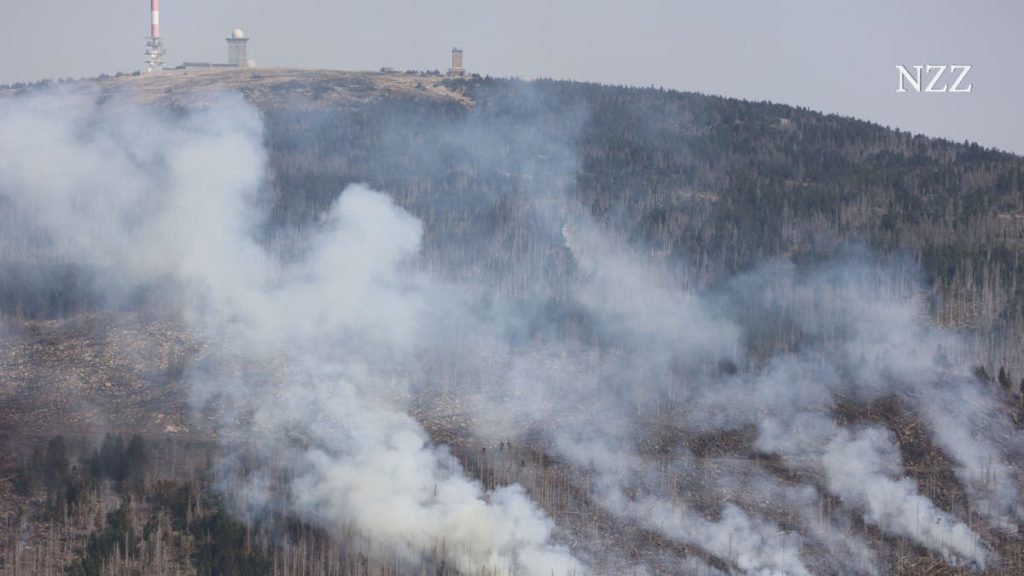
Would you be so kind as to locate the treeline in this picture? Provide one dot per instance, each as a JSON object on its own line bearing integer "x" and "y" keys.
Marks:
{"x": 51, "y": 467}
{"x": 135, "y": 508}
{"x": 714, "y": 185}
{"x": 109, "y": 513}
{"x": 44, "y": 83}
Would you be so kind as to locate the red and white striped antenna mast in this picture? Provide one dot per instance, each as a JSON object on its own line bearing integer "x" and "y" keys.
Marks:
{"x": 154, "y": 43}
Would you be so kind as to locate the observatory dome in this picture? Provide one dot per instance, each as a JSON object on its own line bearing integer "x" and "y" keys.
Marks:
{"x": 237, "y": 33}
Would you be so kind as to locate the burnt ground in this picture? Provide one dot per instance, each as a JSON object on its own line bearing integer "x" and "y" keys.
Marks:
{"x": 126, "y": 373}
{"x": 93, "y": 374}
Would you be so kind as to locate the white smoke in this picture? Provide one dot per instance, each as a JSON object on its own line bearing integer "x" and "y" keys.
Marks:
{"x": 870, "y": 344}
{"x": 141, "y": 197}
{"x": 335, "y": 335}
{"x": 752, "y": 545}
{"x": 864, "y": 469}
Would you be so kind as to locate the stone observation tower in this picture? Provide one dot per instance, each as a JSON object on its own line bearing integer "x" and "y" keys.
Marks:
{"x": 456, "y": 69}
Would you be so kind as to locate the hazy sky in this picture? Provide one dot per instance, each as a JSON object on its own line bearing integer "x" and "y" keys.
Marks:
{"x": 830, "y": 56}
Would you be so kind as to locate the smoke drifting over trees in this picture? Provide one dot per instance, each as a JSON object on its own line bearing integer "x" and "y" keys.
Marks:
{"x": 335, "y": 335}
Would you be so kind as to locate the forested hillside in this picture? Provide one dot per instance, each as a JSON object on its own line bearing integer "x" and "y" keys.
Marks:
{"x": 313, "y": 322}
{"x": 717, "y": 184}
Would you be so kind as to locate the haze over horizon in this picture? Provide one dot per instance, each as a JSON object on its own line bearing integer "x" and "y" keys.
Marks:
{"x": 836, "y": 58}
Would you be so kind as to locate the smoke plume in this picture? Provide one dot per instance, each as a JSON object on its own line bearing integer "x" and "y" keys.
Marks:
{"x": 144, "y": 198}
{"x": 320, "y": 356}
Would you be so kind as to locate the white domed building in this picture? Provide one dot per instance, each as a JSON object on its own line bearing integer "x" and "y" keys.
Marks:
{"x": 238, "y": 49}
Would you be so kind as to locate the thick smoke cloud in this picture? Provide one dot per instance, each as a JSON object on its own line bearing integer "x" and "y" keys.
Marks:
{"x": 862, "y": 334}
{"x": 140, "y": 198}
{"x": 866, "y": 342}
{"x": 342, "y": 334}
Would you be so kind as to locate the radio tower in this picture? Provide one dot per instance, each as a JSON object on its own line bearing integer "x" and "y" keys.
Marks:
{"x": 154, "y": 44}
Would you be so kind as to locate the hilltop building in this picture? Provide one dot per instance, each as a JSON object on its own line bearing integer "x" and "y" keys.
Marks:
{"x": 238, "y": 49}
{"x": 456, "y": 69}
{"x": 238, "y": 54}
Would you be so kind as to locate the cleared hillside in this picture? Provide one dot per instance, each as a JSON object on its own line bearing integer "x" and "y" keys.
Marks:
{"x": 265, "y": 87}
